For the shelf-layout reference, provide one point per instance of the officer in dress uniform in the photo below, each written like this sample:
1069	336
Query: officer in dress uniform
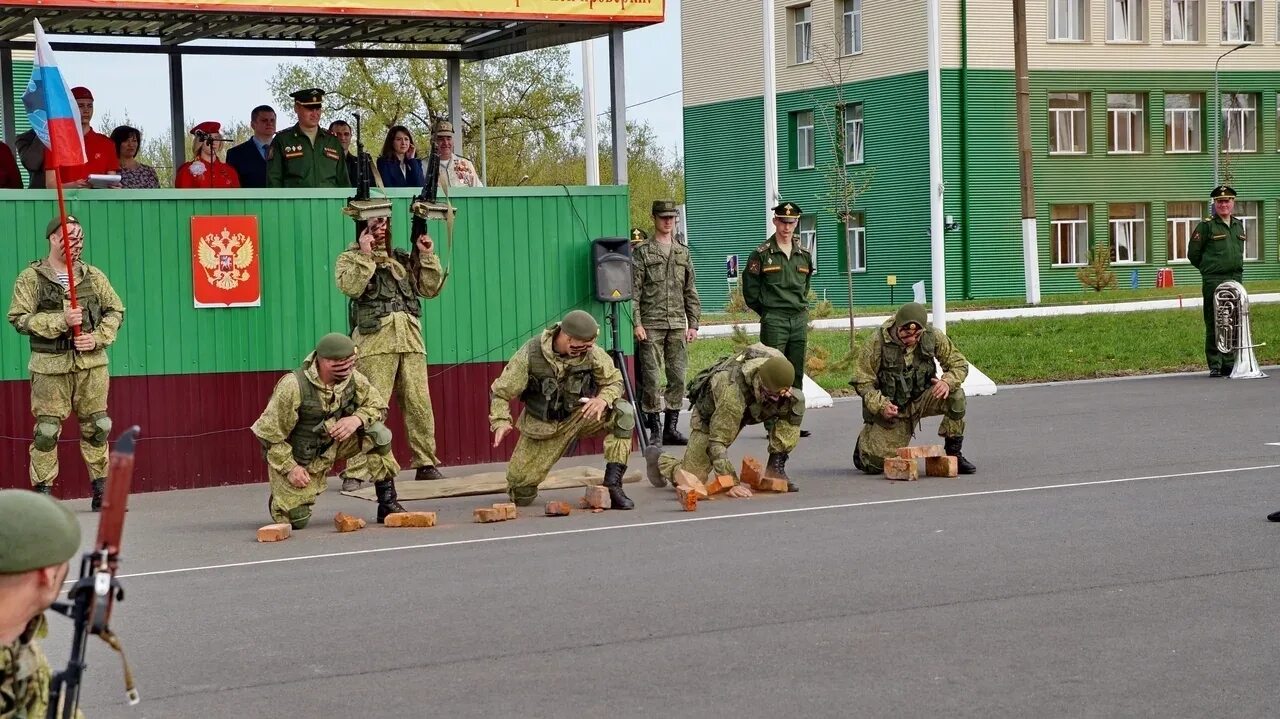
306	155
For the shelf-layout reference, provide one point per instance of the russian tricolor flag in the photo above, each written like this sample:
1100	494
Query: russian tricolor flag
52	111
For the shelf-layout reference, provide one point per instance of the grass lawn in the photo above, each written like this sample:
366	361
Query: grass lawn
1049	348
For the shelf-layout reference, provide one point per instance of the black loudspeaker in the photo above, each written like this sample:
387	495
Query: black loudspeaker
611	257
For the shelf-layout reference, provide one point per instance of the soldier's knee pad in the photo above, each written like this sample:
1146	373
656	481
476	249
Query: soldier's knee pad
99	425
523	496
625	419
381	436
46	433
299	516
955	404
798	407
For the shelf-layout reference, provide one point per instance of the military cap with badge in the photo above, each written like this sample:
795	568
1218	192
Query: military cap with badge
787	210
312	97
1222	192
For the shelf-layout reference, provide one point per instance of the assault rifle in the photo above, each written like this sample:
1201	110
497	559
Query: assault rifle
425	206
92	598
362	207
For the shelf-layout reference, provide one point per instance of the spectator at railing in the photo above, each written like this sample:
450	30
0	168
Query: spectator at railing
133	174
207	171
341	130
396	163
31	152
455	170
99	148
305	155
249	158
10	178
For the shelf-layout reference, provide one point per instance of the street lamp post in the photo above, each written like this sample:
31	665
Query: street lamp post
1217	101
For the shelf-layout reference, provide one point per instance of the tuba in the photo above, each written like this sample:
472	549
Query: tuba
1231	331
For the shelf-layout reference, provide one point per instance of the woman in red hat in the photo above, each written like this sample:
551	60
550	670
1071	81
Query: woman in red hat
207	171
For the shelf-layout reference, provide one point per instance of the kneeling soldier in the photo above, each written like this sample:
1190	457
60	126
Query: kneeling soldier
318	414
897	380
570	389
751	387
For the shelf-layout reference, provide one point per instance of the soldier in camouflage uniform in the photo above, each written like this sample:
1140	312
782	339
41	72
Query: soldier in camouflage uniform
37	538
752	387
666	309
898	383
1217	250
386	324
570	389
68	373
318	414
306	155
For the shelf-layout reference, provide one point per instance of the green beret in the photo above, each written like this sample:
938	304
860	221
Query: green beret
56	223
335	346
911	312
35	531
580	325
776	374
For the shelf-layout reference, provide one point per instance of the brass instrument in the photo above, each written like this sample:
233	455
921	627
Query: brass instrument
1231	331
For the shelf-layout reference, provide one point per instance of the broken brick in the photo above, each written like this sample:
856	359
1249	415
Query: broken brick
770	484
899	468
274	533
941	467
752	472
558	509
488	514
346	523
686	479
508	509
722	483
688	498
921	451
597	497
411	519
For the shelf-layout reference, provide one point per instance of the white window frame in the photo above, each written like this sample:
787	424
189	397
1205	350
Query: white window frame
802	34
1192	125
855	238
1134	14
1252	236
1179	228
804	140
807	234
1071	13
1242	17
1190	28
1238	118
1077	232
851	22
1132	232
854	134
1064	119
1127	125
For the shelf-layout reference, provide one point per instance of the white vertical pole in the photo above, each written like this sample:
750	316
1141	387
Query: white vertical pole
484	149
935	172
771	196
591	145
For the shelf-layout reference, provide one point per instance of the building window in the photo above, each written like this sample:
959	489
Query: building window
1128	234
802	35
853	134
1182	220
1247	213
1066	19
1126	126
1068	123
1182	21
804	140
1239	122
851	20
1070	225
1239	20
855	237
809	238
1126	20
1183	130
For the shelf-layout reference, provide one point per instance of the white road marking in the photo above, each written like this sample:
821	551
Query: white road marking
686	520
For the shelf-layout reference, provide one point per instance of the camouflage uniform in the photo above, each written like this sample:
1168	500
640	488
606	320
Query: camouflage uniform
280	422
890	372
726	398
64	380
25	675
388	332
544	440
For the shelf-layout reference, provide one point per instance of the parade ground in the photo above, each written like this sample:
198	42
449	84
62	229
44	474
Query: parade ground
1111	558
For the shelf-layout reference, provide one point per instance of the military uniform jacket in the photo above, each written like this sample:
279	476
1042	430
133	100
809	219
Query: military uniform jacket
515	378
776	283
732	409
25	675
1217	247
25	317
400	332
292	161
866	380
281	415
665	295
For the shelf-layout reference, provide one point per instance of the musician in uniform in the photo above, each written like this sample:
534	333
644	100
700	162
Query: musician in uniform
1217	250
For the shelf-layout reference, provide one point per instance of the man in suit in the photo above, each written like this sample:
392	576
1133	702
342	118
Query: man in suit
249	158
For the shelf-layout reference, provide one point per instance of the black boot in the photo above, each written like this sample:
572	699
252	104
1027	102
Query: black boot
777	468
651	455
43	489
387	504
1274	516
857	454
95	502
652	428
952	446
670	434
613	480
427	472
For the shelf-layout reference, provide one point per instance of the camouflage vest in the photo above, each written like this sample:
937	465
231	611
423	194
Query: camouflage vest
549	398
49	295
309	438
700	396
901	384
383	295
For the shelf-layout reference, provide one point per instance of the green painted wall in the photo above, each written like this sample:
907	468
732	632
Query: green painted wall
521	258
